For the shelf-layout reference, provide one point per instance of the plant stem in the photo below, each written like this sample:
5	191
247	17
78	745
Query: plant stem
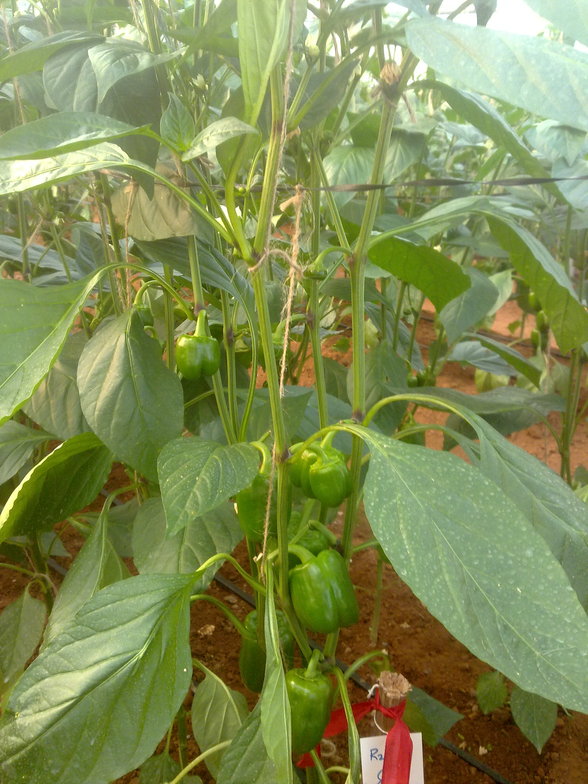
199	303
352	733
200	758
229	344
377	611
314	323
569	416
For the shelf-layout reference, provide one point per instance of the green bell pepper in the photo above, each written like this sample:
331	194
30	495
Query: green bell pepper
300	461
310	696
322	592
329	477
252	655
198	355
251	502
315	540
251	507
321	472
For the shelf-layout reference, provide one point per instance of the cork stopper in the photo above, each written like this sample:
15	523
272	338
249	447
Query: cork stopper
393	688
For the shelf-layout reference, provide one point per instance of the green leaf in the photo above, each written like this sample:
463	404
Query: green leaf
153	217
69	80
216	133
575	190
116	59
159	769
294	405
384	371
555	141
443	216
61	133
217	714
469	308
39	255
17	445
345	166
33	56
556	513
474	353
55	404
246	759
21	628
323	93
472	557
265	30
404	150
136	100
567	316
275	708
570	17
484	116
216	29
34	324
196	476
491	691
129	397
362	8
127	655
62	483
120	526
427	715
438	277
545	77
216	270
177	125
154	552
462	351
535	716
22	175
506	408
95	566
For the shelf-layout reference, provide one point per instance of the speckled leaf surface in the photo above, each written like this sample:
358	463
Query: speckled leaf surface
476	562
97	700
197	475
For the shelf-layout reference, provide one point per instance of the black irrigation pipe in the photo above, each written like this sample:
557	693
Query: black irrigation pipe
464	755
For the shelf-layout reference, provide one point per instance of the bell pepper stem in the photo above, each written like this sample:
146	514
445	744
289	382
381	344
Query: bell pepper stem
300	552
201	330
312	666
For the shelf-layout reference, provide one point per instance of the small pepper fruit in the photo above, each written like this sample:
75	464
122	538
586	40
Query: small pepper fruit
310	696
251	502
329	477
321	472
322	593
315	539
252	655
300	461
198	355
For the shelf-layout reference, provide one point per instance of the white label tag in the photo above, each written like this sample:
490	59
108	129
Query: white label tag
372	759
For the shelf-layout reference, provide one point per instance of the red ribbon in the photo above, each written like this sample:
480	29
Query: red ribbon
398	746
